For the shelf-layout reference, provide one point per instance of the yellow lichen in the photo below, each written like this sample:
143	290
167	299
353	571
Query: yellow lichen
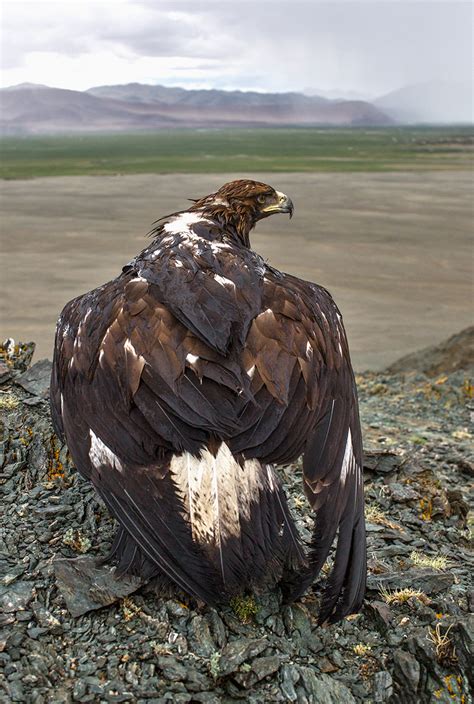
76	540
468	389
56	469
426	506
361	649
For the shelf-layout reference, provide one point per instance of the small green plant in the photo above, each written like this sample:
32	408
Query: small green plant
214	665
244	607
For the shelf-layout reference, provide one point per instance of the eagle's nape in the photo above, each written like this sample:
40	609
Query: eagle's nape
180	385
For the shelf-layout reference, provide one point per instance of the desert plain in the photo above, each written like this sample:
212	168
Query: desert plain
394	248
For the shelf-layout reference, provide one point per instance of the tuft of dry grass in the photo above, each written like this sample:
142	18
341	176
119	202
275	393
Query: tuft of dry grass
443	645
8	402
402	596
374	514
129	609
436	562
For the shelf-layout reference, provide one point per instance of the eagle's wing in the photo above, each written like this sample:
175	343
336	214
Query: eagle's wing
120	434
298	353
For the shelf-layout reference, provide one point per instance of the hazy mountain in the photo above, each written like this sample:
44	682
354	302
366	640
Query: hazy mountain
435	102
143	93
234	107
335	94
30	109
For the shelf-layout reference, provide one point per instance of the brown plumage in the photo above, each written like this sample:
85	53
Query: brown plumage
180	385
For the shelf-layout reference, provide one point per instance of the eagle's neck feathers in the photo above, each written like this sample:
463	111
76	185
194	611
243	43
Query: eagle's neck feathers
235	221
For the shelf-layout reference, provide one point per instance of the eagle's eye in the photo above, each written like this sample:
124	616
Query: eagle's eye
262	199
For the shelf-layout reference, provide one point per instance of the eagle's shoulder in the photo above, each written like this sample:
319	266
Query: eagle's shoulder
296	304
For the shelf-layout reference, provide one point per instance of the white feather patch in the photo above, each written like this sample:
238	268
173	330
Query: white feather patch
217	493
100	454
348	462
182	222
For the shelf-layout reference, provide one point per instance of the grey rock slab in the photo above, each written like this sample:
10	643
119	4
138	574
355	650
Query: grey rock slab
290	677
200	639
16	597
238	651
463	636
382	461
324	689
261	668
380	613
87	586
36	379
383	686
426	580
5	372
406	673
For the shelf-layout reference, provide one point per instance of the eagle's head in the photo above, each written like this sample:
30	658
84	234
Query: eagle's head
241	204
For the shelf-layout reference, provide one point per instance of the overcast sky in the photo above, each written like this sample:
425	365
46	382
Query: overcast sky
368	48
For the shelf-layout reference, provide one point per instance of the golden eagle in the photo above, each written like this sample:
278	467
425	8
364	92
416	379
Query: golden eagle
180	384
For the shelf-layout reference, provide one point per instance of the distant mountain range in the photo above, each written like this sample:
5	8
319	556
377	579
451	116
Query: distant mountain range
36	109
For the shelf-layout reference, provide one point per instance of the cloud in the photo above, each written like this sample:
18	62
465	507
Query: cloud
368	47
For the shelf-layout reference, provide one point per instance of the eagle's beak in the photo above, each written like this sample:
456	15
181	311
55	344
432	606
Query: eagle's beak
284	204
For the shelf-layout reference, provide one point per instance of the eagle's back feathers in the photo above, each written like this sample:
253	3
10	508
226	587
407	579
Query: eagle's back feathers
178	386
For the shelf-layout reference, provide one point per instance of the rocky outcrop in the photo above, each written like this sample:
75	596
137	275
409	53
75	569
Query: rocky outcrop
452	354
70	631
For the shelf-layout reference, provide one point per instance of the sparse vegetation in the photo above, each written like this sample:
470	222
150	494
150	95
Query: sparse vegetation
8	402
435	562
402	596
214	661
235	150
443	645
374	514
129	609
244	607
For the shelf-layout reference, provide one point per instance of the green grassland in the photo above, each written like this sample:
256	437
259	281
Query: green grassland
238	150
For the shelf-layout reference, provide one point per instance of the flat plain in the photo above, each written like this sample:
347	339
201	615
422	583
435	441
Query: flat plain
237	150
395	249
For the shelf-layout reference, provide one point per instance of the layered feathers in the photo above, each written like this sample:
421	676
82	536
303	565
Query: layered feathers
182	382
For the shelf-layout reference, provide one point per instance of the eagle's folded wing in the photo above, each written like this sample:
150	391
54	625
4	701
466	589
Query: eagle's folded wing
121	433
299	350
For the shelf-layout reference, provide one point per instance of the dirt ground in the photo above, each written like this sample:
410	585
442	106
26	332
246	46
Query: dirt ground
394	249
